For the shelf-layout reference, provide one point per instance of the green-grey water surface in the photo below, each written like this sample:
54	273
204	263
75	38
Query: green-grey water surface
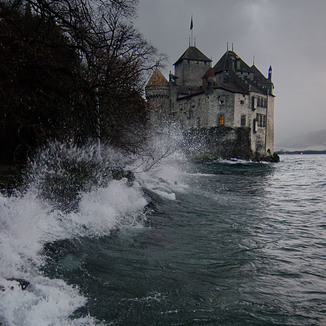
241	244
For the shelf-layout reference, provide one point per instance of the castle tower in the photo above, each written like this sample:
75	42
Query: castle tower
191	67
157	93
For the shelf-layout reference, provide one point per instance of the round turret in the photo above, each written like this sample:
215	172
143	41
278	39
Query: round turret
157	92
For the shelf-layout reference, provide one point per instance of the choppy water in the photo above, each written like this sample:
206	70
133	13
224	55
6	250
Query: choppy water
227	243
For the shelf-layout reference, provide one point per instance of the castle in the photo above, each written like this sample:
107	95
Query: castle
201	97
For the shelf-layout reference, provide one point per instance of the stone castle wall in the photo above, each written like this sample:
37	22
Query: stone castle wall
218	142
190	72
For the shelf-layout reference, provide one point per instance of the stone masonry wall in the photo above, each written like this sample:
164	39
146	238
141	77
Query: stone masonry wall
218	142
190	72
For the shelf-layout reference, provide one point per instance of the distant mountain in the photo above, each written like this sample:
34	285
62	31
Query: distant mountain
311	141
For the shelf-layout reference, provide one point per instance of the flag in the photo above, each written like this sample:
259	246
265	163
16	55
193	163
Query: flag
191	24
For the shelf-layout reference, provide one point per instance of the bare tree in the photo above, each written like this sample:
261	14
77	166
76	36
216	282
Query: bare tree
116	58
114	61
114	53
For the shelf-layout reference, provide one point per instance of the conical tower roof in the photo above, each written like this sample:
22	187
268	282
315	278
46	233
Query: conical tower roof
157	79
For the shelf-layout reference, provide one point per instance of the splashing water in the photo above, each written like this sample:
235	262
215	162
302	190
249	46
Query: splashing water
70	192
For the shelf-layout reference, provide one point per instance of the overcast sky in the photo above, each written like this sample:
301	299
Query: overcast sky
289	35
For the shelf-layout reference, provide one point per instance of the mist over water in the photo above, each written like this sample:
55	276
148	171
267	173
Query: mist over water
226	243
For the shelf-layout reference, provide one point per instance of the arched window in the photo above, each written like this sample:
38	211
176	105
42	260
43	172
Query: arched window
221	119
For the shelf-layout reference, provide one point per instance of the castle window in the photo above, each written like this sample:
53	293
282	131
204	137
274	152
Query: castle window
255	125
254	103
221	119
241	101
243	121
261	120
261	102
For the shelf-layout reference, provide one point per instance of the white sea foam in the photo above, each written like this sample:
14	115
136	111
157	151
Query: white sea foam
105	208
159	167
165	180
38	216
27	223
46	302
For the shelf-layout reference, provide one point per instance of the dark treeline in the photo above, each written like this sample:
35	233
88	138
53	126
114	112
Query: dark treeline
71	70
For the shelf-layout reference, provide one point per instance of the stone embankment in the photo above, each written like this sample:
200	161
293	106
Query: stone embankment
204	145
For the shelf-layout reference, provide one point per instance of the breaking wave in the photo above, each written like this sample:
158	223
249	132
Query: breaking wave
70	192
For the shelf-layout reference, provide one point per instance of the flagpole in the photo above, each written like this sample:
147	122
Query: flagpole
192	30
192	37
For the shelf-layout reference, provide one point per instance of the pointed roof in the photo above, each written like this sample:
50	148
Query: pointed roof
228	59
258	76
240	73
192	53
157	79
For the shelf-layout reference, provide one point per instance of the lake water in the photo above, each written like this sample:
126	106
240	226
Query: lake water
225	243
